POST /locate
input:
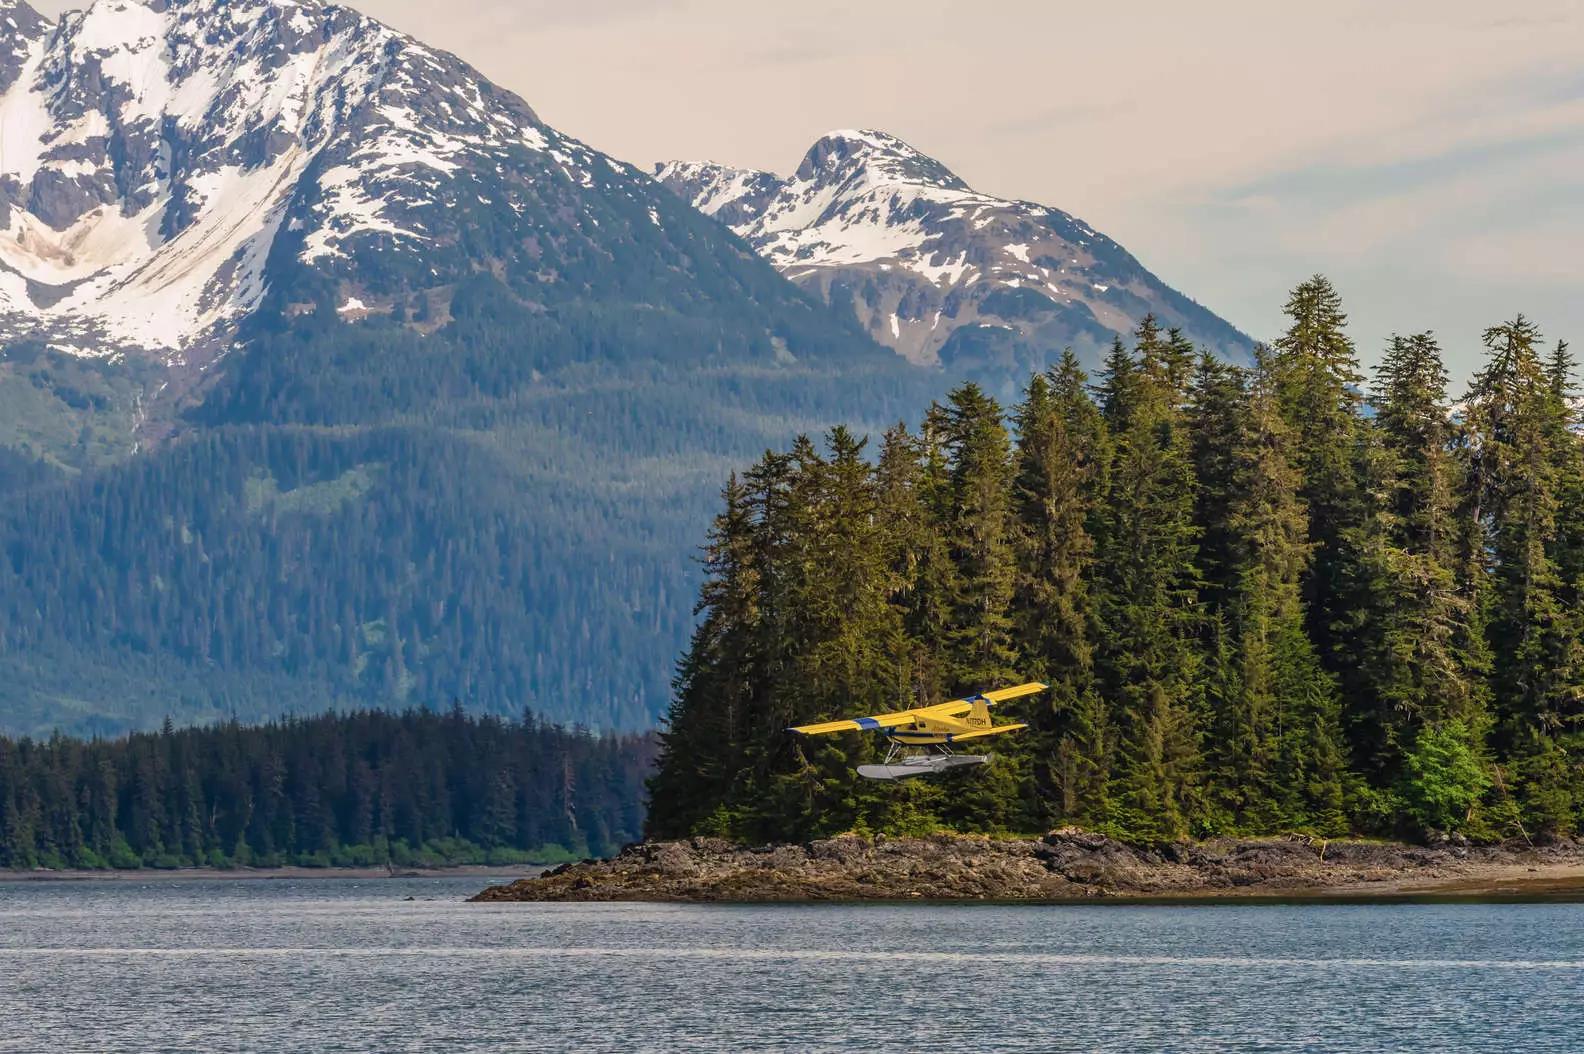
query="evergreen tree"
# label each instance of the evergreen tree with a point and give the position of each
(1317, 380)
(1278, 748)
(935, 588)
(1422, 665)
(913, 548)
(1146, 542)
(708, 729)
(976, 526)
(1059, 465)
(1217, 419)
(979, 534)
(1516, 418)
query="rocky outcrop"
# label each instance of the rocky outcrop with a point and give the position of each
(1063, 865)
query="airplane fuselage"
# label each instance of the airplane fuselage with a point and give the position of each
(938, 731)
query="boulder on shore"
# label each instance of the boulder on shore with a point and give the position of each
(1063, 865)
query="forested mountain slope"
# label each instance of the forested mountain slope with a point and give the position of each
(436, 413)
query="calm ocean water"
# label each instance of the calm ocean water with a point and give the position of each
(354, 965)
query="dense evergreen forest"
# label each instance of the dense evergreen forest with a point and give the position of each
(488, 489)
(1266, 599)
(523, 542)
(366, 788)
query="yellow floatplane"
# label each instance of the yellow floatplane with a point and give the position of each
(921, 740)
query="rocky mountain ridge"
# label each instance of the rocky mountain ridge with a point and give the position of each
(943, 274)
(162, 162)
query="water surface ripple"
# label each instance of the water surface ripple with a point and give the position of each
(353, 965)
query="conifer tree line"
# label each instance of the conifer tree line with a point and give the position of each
(1276, 597)
(367, 788)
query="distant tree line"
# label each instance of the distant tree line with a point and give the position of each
(365, 788)
(1266, 599)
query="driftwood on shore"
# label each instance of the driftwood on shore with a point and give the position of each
(1067, 864)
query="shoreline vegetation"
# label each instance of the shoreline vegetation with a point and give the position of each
(1067, 865)
(243, 874)
(375, 790)
(1267, 598)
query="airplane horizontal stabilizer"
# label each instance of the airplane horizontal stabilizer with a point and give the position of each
(1001, 695)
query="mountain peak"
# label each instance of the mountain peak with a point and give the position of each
(154, 150)
(876, 157)
(941, 273)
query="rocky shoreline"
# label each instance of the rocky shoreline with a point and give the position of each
(1064, 865)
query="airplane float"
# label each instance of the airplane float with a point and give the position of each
(921, 740)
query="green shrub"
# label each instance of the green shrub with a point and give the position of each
(1444, 779)
(122, 858)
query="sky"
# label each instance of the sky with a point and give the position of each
(1426, 155)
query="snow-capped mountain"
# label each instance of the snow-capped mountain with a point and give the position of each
(319, 292)
(165, 163)
(932, 268)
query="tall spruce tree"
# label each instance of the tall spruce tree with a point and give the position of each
(1146, 541)
(1422, 661)
(1278, 750)
(1317, 380)
(1518, 426)
(935, 582)
(1217, 418)
(979, 533)
(1059, 474)
(1567, 451)
(709, 729)
(910, 540)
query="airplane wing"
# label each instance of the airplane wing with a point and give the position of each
(866, 724)
(1001, 695)
(993, 730)
(907, 717)
(962, 706)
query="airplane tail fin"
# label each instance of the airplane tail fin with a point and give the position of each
(979, 715)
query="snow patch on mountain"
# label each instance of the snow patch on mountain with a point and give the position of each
(858, 197)
(869, 220)
(151, 152)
